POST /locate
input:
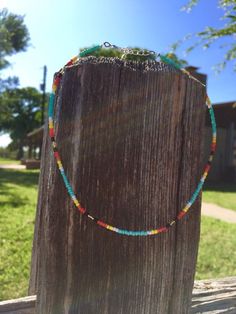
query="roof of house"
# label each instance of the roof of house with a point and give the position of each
(225, 114)
(36, 136)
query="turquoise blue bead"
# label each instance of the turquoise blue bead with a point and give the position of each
(169, 61)
(121, 231)
(89, 50)
(51, 105)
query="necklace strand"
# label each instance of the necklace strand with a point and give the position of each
(83, 210)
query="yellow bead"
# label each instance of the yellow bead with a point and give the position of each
(109, 227)
(186, 208)
(154, 231)
(59, 164)
(76, 203)
(208, 102)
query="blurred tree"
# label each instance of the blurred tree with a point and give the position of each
(9, 83)
(14, 36)
(16, 105)
(211, 34)
(19, 114)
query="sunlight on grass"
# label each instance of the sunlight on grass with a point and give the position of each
(217, 251)
(222, 195)
(6, 161)
(18, 196)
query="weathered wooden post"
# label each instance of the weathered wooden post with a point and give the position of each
(130, 138)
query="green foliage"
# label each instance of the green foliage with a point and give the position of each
(14, 36)
(9, 83)
(210, 34)
(7, 155)
(19, 114)
(18, 195)
(19, 108)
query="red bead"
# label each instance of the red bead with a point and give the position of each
(57, 81)
(82, 210)
(51, 132)
(69, 63)
(207, 168)
(181, 214)
(213, 146)
(56, 155)
(102, 224)
(164, 229)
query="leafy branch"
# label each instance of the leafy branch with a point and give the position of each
(210, 35)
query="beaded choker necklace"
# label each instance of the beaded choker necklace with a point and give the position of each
(81, 209)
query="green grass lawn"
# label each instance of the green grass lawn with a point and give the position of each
(220, 194)
(18, 196)
(217, 250)
(6, 161)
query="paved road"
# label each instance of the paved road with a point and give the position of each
(218, 212)
(13, 166)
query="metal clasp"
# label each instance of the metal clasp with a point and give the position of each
(106, 44)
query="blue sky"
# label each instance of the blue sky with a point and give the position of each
(59, 28)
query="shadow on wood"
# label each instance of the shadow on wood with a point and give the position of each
(214, 296)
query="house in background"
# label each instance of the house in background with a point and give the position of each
(34, 142)
(224, 163)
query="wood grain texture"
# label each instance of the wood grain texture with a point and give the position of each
(214, 296)
(38, 220)
(130, 141)
(24, 305)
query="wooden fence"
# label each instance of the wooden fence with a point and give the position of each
(209, 296)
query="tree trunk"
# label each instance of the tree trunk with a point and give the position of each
(30, 151)
(20, 152)
(130, 139)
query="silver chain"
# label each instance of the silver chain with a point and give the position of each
(130, 51)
